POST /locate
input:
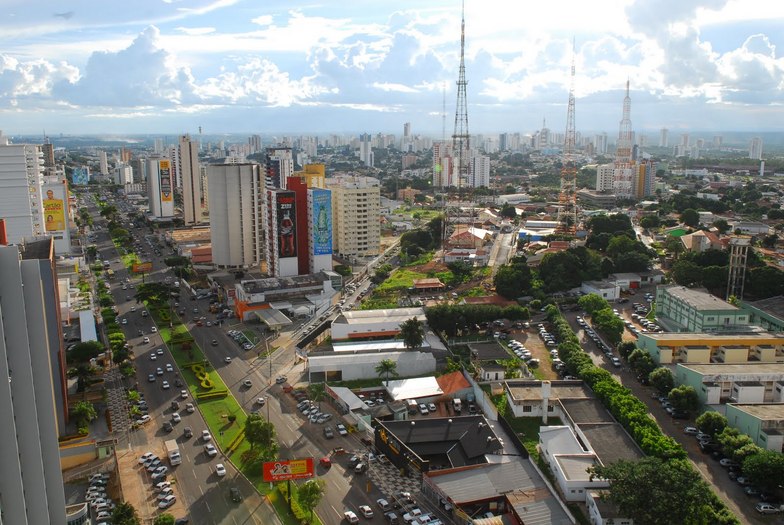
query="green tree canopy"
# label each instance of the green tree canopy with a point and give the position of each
(609, 324)
(163, 519)
(690, 217)
(650, 221)
(83, 352)
(513, 280)
(260, 433)
(592, 303)
(625, 348)
(711, 423)
(662, 380)
(722, 225)
(412, 332)
(125, 514)
(84, 412)
(684, 398)
(310, 493)
(765, 469)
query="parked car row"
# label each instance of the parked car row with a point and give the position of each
(97, 496)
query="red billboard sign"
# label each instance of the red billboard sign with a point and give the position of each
(283, 470)
(287, 225)
(144, 267)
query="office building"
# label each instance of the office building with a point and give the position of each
(767, 313)
(681, 309)
(715, 347)
(664, 138)
(755, 148)
(717, 384)
(192, 195)
(479, 175)
(278, 167)
(643, 179)
(21, 199)
(235, 201)
(283, 239)
(31, 380)
(103, 162)
(356, 226)
(160, 187)
(366, 149)
(604, 177)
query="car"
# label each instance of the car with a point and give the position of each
(169, 367)
(165, 492)
(341, 429)
(235, 494)
(103, 516)
(350, 517)
(702, 436)
(167, 502)
(766, 508)
(260, 401)
(146, 340)
(366, 511)
(432, 407)
(163, 485)
(165, 385)
(100, 476)
(153, 330)
(405, 497)
(727, 462)
(151, 378)
(220, 470)
(149, 460)
(176, 418)
(190, 408)
(328, 433)
(159, 351)
(323, 418)
(214, 342)
(423, 409)
(227, 359)
(741, 480)
(247, 383)
(95, 496)
(168, 427)
(205, 435)
(210, 450)
(183, 394)
(187, 432)
(751, 491)
(692, 431)
(124, 321)
(160, 472)
(153, 357)
(314, 416)
(146, 418)
(280, 380)
(159, 371)
(383, 505)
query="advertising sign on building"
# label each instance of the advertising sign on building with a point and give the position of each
(143, 267)
(54, 212)
(80, 176)
(166, 180)
(283, 470)
(322, 222)
(287, 225)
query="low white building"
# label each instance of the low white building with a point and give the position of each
(606, 289)
(363, 324)
(474, 257)
(347, 366)
(601, 512)
(569, 462)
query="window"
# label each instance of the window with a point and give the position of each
(527, 408)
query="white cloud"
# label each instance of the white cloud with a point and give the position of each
(196, 31)
(392, 87)
(263, 20)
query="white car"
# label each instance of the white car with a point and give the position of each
(165, 385)
(184, 395)
(366, 511)
(227, 359)
(205, 435)
(169, 367)
(159, 371)
(159, 351)
(146, 418)
(350, 517)
(342, 429)
(153, 357)
(190, 408)
(163, 485)
(210, 450)
(145, 340)
(165, 493)
(167, 502)
(176, 418)
(220, 470)
(153, 330)
(145, 457)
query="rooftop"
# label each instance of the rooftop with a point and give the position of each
(41, 248)
(575, 466)
(586, 411)
(714, 338)
(283, 283)
(488, 351)
(772, 306)
(453, 382)
(610, 442)
(735, 369)
(413, 388)
(393, 315)
(532, 390)
(763, 411)
(697, 299)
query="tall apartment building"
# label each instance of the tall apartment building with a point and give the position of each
(604, 177)
(235, 203)
(123, 174)
(32, 364)
(664, 138)
(313, 226)
(21, 199)
(755, 148)
(278, 166)
(283, 236)
(442, 164)
(356, 227)
(600, 143)
(192, 195)
(48, 150)
(160, 187)
(479, 175)
(366, 149)
(254, 141)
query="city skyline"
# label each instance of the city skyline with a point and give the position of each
(233, 66)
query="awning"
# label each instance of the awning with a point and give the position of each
(272, 318)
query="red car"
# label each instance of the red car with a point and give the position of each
(325, 462)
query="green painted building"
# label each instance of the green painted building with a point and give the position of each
(682, 309)
(764, 423)
(767, 313)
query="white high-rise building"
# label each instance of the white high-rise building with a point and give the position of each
(158, 146)
(31, 487)
(755, 148)
(604, 177)
(235, 203)
(600, 143)
(21, 198)
(356, 224)
(192, 195)
(278, 166)
(664, 138)
(442, 164)
(160, 187)
(104, 162)
(479, 175)
(366, 149)
(123, 174)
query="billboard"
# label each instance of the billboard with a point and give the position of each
(322, 222)
(283, 470)
(164, 170)
(80, 176)
(54, 212)
(144, 267)
(287, 224)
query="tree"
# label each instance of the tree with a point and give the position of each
(508, 211)
(413, 333)
(650, 221)
(310, 493)
(765, 469)
(722, 225)
(317, 392)
(343, 270)
(632, 262)
(259, 432)
(125, 514)
(641, 363)
(684, 398)
(592, 303)
(609, 324)
(711, 423)
(625, 348)
(681, 495)
(690, 217)
(164, 519)
(83, 412)
(732, 440)
(83, 352)
(386, 368)
(513, 280)
(662, 379)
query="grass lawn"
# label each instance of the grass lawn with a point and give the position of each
(400, 279)
(129, 259)
(527, 429)
(652, 313)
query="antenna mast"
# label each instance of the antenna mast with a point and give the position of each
(567, 215)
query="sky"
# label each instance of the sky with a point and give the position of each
(272, 66)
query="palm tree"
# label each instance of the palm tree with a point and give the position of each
(386, 368)
(413, 333)
(317, 392)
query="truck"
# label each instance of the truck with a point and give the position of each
(173, 451)
(457, 404)
(413, 406)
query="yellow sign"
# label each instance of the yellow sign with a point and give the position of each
(166, 181)
(54, 213)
